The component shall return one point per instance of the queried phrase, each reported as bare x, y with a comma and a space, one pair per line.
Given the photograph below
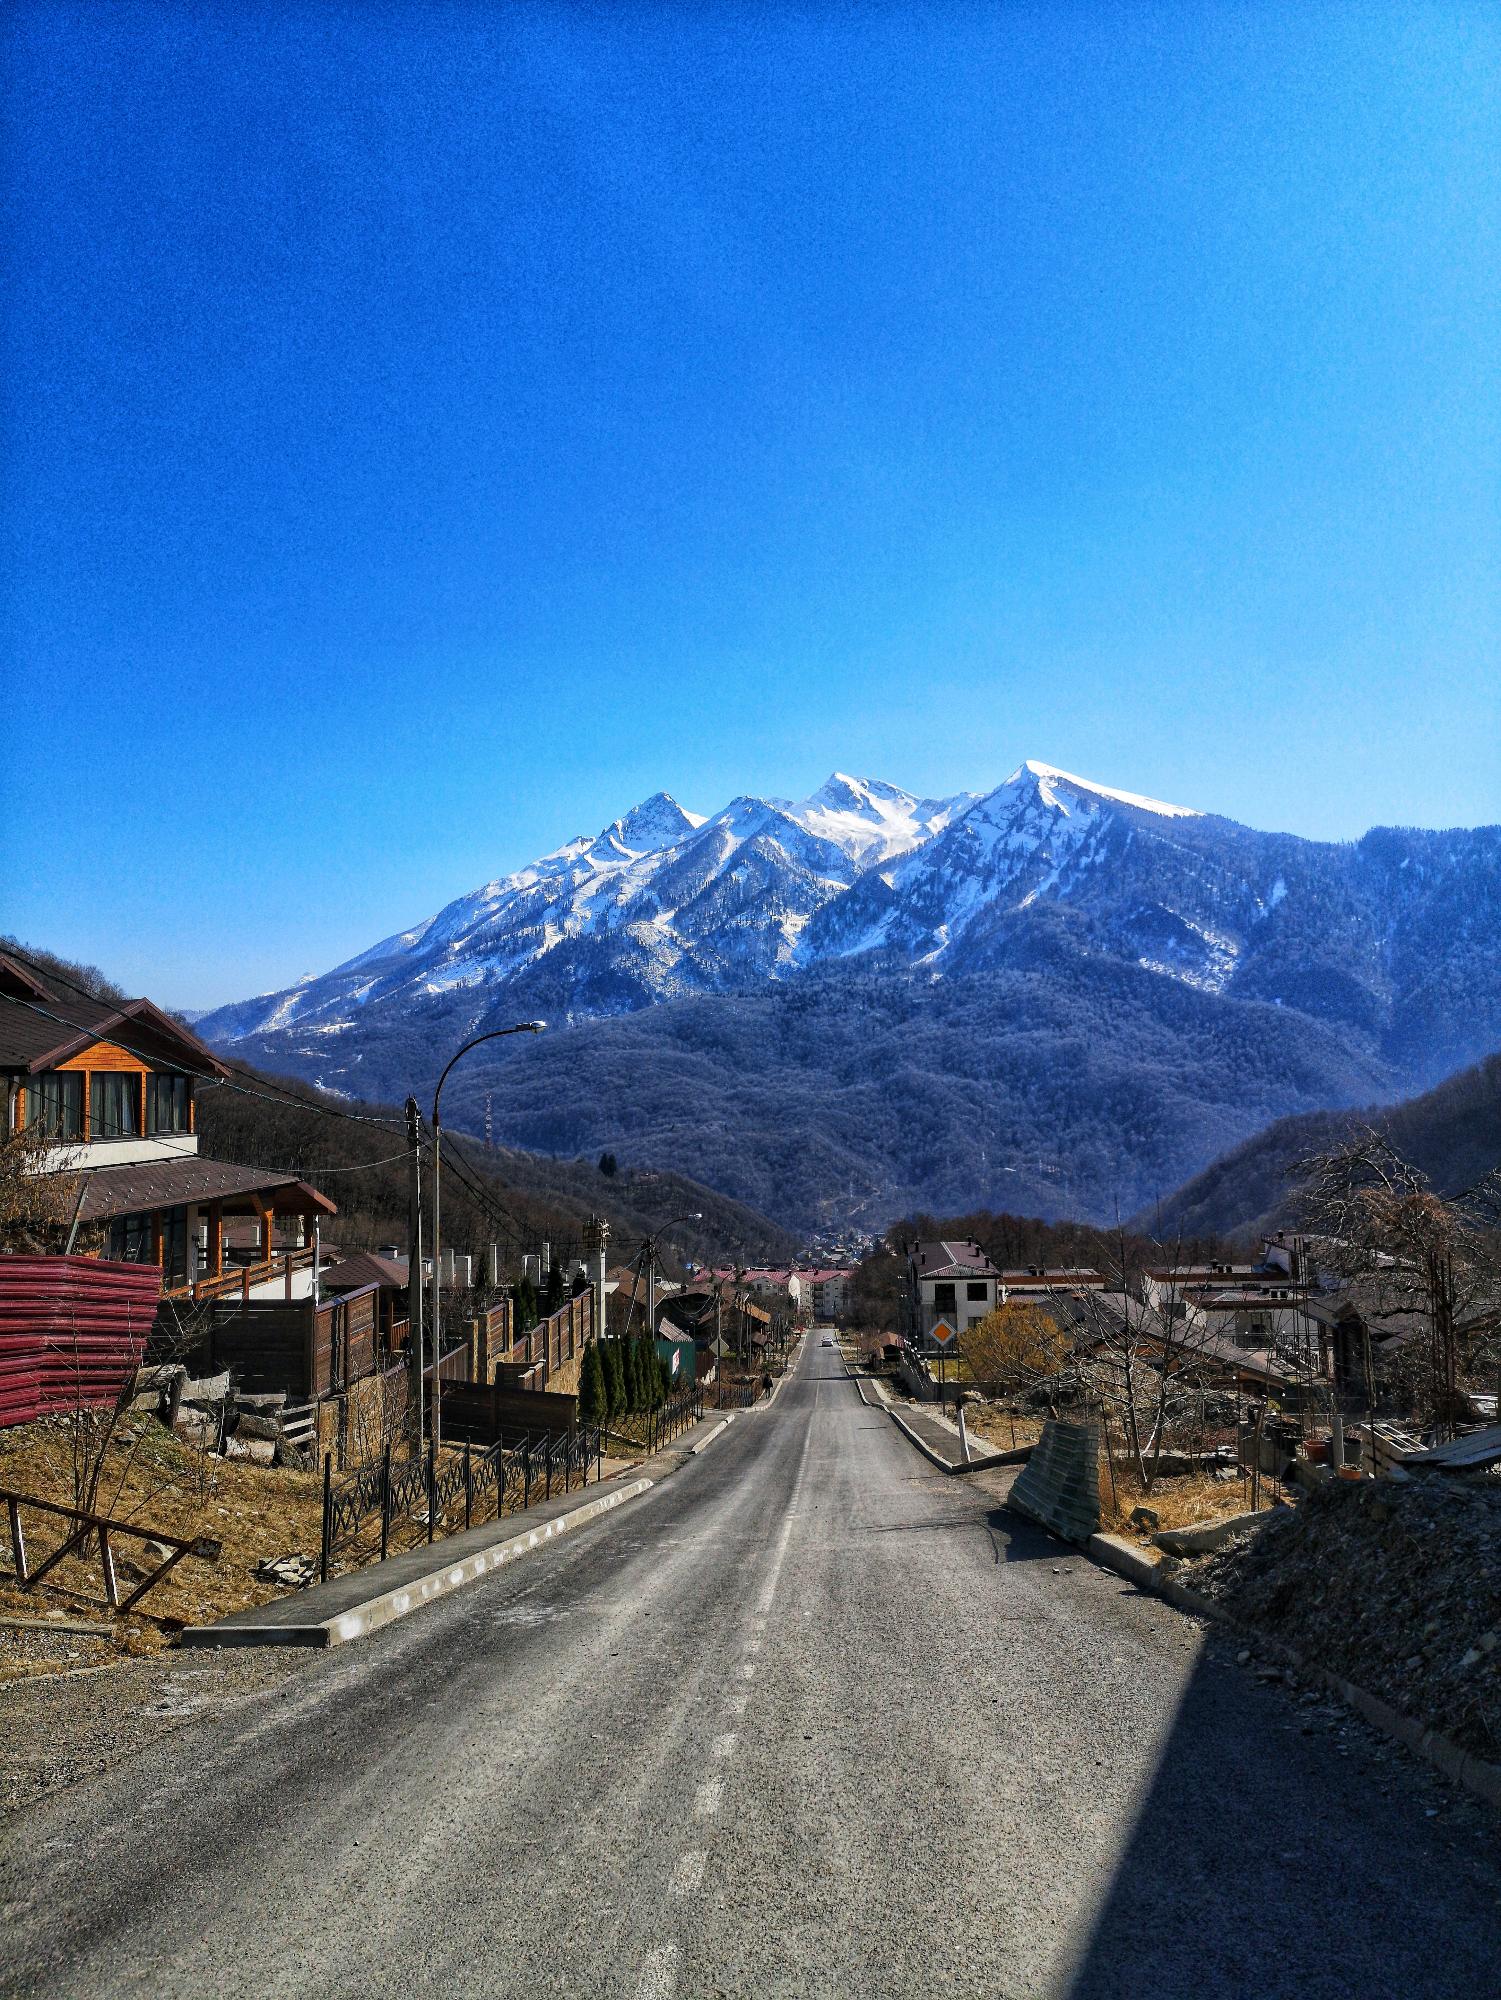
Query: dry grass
155, 1481
1004, 1429
1187, 1502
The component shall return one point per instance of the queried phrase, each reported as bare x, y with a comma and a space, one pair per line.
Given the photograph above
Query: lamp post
494, 1035
695, 1215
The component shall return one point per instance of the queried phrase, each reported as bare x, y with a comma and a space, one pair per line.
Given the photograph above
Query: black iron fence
651, 1429
502, 1478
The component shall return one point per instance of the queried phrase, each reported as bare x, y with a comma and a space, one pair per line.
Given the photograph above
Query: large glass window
975, 1293
175, 1247
943, 1298
132, 1240
166, 1103
114, 1107
54, 1101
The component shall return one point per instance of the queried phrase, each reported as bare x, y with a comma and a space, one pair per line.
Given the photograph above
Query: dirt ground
1001, 1428
1191, 1500
152, 1480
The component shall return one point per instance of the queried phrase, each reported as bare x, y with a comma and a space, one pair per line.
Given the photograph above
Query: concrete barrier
1213, 1534
1059, 1487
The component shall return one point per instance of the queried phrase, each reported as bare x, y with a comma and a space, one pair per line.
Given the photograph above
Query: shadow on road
1013, 1539
1262, 1862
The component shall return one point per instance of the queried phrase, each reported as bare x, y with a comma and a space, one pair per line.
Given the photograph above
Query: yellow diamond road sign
942, 1332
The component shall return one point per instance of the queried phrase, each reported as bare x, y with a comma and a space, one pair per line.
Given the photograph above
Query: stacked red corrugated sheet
72, 1330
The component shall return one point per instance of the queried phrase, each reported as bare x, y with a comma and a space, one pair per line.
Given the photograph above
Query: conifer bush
614, 1371
594, 1404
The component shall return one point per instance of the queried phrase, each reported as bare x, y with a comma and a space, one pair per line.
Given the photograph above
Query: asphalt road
810, 1718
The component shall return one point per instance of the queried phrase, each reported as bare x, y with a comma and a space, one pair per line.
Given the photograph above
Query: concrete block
1213, 1535
1059, 1486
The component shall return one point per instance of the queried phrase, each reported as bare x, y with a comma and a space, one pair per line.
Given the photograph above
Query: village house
825, 1291
1050, 1281
112, 1086
950, 1285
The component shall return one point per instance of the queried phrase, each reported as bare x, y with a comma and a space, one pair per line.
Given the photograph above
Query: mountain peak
1051, 785
839, 792
656, 823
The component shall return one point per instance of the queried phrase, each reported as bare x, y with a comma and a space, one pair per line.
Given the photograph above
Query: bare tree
1142, 1346
1377, 1218
37, 1205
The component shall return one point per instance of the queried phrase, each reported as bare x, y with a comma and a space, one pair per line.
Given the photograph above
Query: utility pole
414, 1261
489, 1124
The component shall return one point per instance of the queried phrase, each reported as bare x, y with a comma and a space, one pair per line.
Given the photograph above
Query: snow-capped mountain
665, 903
864, 990
661, 902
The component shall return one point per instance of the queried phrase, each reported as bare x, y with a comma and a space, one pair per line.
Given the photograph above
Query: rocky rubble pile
1395, 1584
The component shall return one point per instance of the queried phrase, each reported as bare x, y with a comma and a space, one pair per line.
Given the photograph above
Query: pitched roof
152, 1184
361, 1268
952, 1259
38, 1034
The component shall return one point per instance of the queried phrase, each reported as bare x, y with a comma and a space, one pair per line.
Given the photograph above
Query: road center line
724, 1746
688, 1876
659, 1972
710, 1798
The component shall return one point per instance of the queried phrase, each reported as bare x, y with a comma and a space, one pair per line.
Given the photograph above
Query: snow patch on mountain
870, 821
1054, 787
664, 901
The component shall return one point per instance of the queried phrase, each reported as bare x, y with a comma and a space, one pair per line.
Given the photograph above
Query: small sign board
943, 1333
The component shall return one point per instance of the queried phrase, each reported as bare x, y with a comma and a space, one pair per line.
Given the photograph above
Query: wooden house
112, 1086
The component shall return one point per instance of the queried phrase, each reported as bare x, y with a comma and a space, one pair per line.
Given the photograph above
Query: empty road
808, 1719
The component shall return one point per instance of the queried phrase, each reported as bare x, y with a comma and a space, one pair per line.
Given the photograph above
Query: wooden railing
242, 1278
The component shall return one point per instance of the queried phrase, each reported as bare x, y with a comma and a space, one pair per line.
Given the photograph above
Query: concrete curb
1458, 1765
385, 1607
923, 1446
709, 1437
860, 1389
957, 1467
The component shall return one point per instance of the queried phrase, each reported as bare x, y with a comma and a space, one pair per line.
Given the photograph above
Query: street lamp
694, 1215
494, 1035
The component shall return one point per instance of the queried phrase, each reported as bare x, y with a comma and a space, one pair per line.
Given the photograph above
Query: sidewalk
935, 1437
349, 1607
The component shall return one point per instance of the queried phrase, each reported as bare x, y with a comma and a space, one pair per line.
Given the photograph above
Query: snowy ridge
664, 902
1054, 785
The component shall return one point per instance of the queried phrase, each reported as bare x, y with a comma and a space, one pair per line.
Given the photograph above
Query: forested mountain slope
864, 1001
1452, 1133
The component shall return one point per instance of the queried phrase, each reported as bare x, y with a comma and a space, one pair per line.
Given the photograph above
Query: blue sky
430, 429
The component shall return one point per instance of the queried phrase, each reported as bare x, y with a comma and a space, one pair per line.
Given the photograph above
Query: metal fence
651, 1429
505, 1477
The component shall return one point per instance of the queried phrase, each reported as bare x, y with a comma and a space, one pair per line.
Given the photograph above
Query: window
54, 1101
977, 1292
114, 1107
943, 1298
132, 1240
175, 1247
166, 1103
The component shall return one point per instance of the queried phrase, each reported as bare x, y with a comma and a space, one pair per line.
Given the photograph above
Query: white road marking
689, 1873
748, 1670
710, 1798
659, 1972
724, 1746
